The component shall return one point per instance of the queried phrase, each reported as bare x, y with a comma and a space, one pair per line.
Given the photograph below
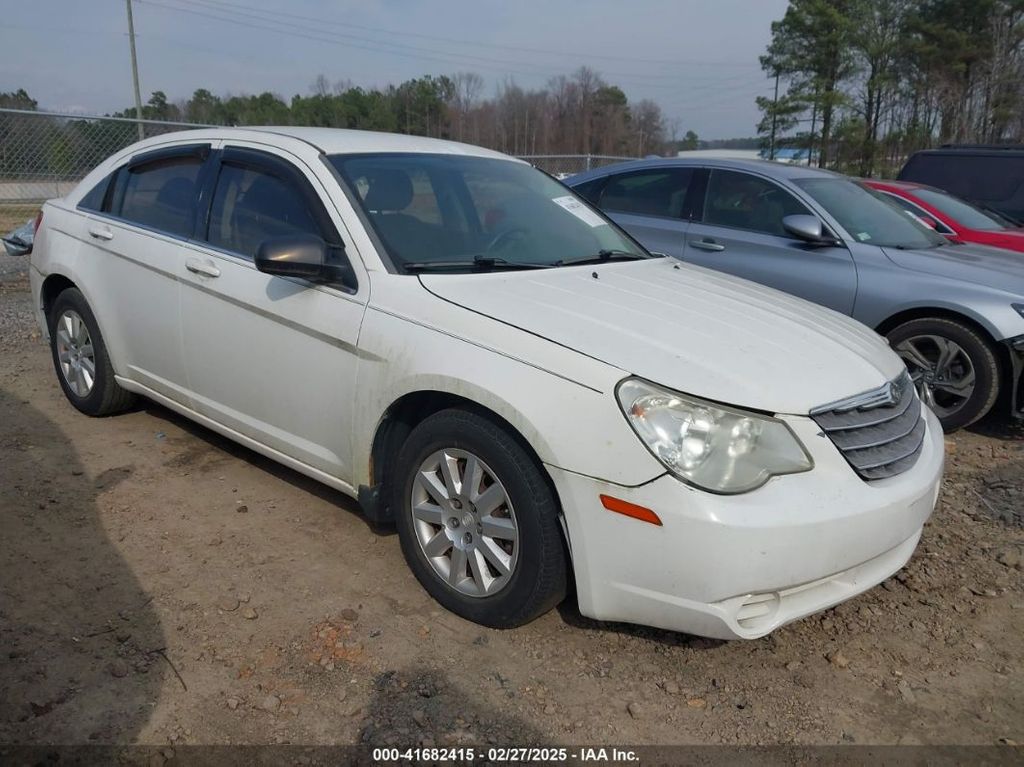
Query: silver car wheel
941, 370
464, 522
75, 353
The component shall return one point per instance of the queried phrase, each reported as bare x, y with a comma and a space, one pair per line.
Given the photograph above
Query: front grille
880, 432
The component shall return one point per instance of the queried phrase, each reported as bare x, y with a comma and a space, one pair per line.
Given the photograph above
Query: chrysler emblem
894, 393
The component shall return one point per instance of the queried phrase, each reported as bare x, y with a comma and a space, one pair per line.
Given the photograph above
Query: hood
979, 264
691, 329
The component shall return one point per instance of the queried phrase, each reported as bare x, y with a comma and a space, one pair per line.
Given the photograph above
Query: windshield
867, 217
960, 211
441, 212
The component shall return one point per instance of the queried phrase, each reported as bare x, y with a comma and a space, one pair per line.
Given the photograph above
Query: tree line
866, 82
579, 113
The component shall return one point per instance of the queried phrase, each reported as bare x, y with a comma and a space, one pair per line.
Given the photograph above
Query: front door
272, 358
741, 233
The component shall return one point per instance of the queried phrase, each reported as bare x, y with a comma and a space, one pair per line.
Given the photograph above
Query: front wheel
478, 521
954, 368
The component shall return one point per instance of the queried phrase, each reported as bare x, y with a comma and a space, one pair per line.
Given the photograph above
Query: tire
922, 344
536, 559
69, 317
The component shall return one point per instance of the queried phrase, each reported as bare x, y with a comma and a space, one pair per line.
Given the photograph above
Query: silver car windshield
867, 217
437, 212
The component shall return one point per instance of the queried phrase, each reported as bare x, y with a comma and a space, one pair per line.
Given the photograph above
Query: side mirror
306, 256
806, 228
294, 255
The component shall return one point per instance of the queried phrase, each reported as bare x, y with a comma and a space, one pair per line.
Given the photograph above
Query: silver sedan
955, 313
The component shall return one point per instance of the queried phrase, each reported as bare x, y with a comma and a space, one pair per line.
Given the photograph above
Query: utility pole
135, 70
774, 119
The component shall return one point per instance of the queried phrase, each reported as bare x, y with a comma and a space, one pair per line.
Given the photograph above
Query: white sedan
484, 359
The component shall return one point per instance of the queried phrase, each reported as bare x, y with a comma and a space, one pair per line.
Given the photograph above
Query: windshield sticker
863, 236
578, 209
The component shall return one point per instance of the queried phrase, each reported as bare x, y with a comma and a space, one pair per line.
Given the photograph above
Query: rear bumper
740, 566
35, 281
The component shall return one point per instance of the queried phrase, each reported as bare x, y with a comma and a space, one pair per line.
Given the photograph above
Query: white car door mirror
298, 255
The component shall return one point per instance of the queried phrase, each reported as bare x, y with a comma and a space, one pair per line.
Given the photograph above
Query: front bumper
1016, 349
740, 566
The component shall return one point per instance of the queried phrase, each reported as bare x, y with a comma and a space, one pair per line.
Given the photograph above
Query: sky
698, 59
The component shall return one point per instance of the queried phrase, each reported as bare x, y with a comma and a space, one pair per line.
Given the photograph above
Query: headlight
719, 449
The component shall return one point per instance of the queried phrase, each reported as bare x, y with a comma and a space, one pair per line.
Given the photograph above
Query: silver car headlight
716, 448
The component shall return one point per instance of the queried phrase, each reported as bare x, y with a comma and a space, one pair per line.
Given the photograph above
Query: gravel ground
159, 584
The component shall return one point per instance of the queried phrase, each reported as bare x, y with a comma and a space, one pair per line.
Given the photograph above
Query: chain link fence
44, 154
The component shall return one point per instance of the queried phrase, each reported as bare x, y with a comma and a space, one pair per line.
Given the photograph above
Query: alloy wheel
75, 353
941, 370
464, 522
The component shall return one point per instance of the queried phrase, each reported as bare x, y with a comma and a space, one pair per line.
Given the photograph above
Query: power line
489, 45
399, 49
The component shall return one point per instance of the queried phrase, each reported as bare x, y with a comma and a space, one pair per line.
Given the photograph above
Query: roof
339, 140
764, 167
974, 149
723, 154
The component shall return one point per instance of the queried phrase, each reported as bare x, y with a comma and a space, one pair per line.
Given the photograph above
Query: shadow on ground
81, 646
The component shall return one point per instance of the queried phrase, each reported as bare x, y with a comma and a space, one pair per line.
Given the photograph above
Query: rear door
650, 204
272, 358
740, 232
137, 230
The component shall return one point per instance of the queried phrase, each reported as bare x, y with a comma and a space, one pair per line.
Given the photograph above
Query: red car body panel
1010, 239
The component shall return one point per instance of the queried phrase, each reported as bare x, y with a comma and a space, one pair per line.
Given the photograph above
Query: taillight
38, 223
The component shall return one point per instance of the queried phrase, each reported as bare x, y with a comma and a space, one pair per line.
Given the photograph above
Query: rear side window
742, 201
251, 205
93, 199
160, 195
654, 192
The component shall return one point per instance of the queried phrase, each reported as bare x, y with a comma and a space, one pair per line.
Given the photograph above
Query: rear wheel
953, 366
80, 357
478, 521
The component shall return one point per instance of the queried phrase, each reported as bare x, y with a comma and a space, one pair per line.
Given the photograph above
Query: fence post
588, 161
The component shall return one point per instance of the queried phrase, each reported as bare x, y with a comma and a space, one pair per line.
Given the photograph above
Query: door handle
196, 266
101, 233
711, 245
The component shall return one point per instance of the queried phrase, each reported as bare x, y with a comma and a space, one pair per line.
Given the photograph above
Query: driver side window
742, 201
251, 205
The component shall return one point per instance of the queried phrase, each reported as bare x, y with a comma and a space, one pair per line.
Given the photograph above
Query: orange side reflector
630, 509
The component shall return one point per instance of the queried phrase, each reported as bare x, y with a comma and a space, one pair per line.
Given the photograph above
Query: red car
956, 219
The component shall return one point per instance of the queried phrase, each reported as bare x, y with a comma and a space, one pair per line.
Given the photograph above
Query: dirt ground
159, 584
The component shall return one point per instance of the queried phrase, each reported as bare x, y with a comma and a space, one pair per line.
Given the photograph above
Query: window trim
685, 214
707, 188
